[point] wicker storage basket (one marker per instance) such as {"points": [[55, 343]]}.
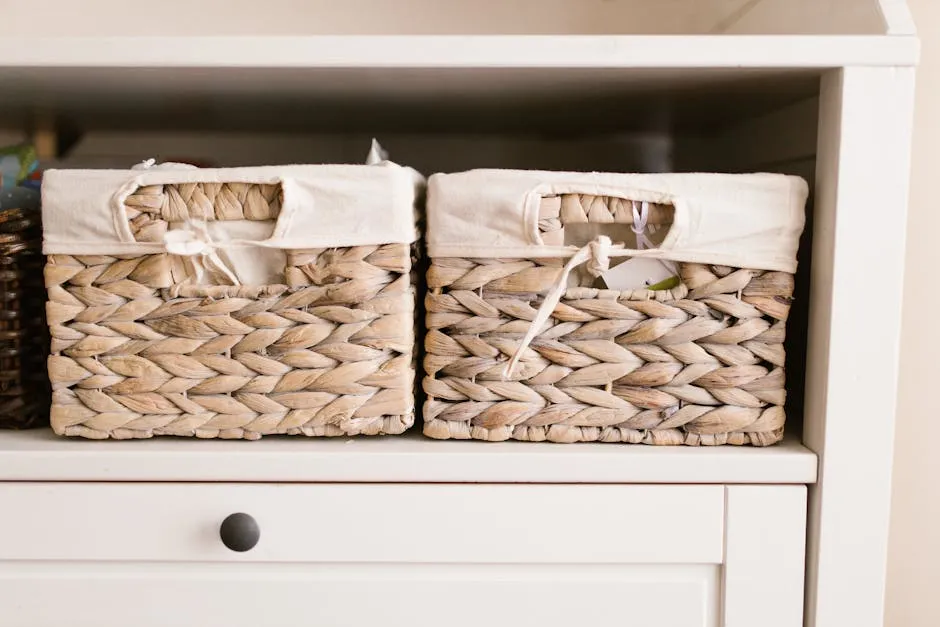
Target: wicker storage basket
{"points": [[230, 303], [522, 344], [24, 337]]}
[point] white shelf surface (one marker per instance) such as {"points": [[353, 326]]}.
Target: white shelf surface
{"points": [[39, 455]]}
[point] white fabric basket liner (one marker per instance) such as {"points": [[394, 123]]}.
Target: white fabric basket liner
{"points": [[741, 220], [324, 206]]}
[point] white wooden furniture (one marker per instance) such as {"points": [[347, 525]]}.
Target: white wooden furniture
{"points": [[409, 531]]}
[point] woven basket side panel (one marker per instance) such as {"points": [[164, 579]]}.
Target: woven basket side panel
{"points": [[132, 359], [24, 337], [701, 364]]}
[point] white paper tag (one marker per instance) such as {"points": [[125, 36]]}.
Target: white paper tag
{"points": [[637, 273], [377, 154]]}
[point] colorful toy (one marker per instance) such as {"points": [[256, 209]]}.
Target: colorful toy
{"points": [[20, 177]]}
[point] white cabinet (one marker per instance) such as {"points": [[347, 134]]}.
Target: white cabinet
{"points": [[658, 556], [409, 531]]}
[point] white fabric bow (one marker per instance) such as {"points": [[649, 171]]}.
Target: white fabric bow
{"points": [[195, 241], [597, 256]]}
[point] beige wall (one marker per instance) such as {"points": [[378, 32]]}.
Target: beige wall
{"points": [[913, 594]]}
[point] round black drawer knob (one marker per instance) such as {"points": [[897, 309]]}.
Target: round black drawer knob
{"points": [[240, 532]]}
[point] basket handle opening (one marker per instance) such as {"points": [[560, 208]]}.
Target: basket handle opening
{"points": [[576, 219], [212, 231], [579, 219]]}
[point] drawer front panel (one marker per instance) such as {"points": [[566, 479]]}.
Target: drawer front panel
{"points": [[365, 523], [285, 595]]}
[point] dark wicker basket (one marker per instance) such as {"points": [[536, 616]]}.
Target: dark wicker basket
{"points": [[24, 337]]}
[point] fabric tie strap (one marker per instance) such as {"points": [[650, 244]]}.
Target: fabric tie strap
{"points": [[195, 241], [638, 227], [597, 256]]}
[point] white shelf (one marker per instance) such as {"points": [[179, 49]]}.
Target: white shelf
{"points": [[39, 455], [454, 51]]}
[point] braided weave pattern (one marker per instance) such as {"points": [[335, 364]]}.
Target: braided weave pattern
{"points": [[136, 354], [24, 386], [701, 364], [152, 208]]}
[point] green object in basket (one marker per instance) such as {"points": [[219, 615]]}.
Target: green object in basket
{"points": [[668, 284]]}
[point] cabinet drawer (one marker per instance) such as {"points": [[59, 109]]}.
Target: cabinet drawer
{"points": [[365, 523], [81, 594]]}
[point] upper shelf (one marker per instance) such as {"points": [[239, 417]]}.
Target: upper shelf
{"points": [[39, 455], [92, 60], [459, 17], [572, 50], [427, 83]]}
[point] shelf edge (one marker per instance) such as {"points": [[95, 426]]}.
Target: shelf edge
{"points": [[443, 51], [411, 459]]}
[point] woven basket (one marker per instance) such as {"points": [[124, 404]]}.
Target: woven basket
{"points": [[24, 337], [699, 364], [139, 350]]}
